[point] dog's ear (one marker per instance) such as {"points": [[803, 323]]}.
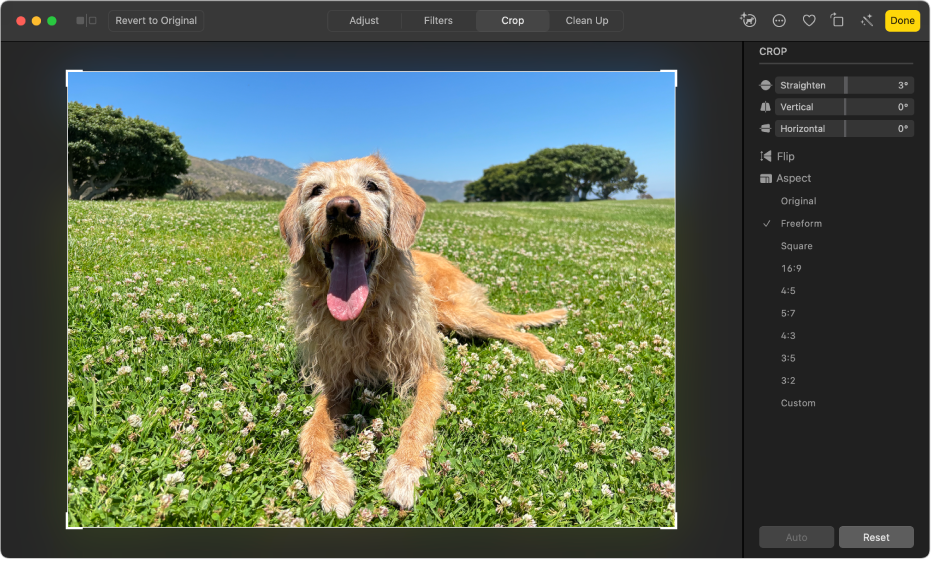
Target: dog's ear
{"points": [[291, 226], [407, 213]]}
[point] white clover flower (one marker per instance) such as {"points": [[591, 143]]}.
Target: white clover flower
{"points": [[183, 495], [308, 411], [124, 370], [165, 500], [134, 420], [581, 380], [164, 369], [174, 478], [226, 469], [85, 463], [666, 431], [282, 398], [633, 456], [116, 449], [72, 401], [284, 433], [581, 465], [606, 491], [202, 395], [185, 388]]}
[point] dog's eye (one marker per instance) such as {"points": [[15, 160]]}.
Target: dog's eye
{"points": [[371, 186], [318, 189]]}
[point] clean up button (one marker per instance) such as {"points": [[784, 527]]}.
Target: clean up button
{"points": [[875, 537], [790, 536]]}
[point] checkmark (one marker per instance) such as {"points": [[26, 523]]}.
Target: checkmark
{"points": [[766, 223]]}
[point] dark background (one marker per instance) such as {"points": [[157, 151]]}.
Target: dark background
{"points": [[709, 223]]}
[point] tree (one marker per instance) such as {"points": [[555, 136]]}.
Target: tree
{"points": [[584, 168], [111, 156], [189, 190], [512, 182], [645, 196]]}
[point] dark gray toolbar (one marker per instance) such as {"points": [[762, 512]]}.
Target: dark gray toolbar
{"points": [[781, 23]]}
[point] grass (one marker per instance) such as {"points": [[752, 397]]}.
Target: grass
{"points": [[176, 323]]}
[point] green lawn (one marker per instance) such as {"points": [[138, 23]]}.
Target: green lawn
{"points": [[182, 366]]}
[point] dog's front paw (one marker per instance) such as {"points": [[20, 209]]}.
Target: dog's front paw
{"points": [[333, 483], [400, 481], [552, 363]]}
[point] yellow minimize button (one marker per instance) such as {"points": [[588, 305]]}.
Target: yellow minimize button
{"points": [[902, 20]]}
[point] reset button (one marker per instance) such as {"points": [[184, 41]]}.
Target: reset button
{"points": [[875, 537]]}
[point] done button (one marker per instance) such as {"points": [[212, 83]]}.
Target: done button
{"points": [[902, 20]]}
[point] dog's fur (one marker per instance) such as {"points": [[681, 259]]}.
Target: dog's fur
{"points": [[394, 338]]}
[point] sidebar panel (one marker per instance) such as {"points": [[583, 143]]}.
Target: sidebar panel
{"points": [[836, 299]]}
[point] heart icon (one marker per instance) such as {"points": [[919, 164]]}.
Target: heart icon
{"points": [[809, 19]]}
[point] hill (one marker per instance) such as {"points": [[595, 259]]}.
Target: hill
{"points": [[265, 168], [441, 190], [278, 172], [220, 178]]}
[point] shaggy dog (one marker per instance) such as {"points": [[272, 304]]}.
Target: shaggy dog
{"points": [[365, 307]]}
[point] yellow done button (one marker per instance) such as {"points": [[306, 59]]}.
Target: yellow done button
{"points": [[902, 20]]}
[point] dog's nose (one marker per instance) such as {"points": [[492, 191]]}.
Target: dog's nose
{"points": [[343, 210]]}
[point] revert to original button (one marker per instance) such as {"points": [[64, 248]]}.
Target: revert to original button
{"points": [[790, 536], [875, 537]]}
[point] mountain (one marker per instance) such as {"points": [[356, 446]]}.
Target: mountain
{"points": [[440, 190], [265, 168], [278, 172], [220, 179]]}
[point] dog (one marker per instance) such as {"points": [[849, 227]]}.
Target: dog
{"points": [[366, 307]]}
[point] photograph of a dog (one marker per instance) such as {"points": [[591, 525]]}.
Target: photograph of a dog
{"points": [[340, 344], [366, 308]]}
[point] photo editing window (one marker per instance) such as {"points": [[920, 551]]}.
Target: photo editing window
{"points": [[586, 279]]}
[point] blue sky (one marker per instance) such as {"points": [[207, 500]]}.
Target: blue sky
{"points": [[434, 126]]}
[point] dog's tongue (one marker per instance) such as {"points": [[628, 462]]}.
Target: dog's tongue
{"points": [[349, 287]]}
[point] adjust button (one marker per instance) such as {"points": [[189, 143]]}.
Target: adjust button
{"points": [[875, 537], [790, 536]]}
